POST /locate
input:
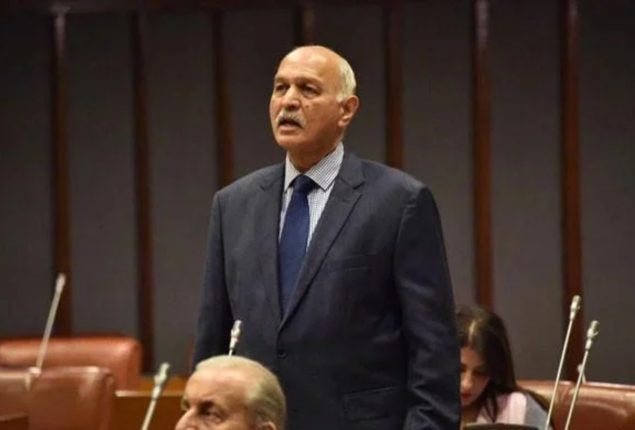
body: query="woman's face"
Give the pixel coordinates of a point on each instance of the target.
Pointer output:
(474, 376)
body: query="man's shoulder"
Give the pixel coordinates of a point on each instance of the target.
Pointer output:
(375, 172)
(257, 178)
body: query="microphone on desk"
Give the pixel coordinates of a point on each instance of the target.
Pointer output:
(159, 382)
(234, 336)
(591, 334)
(573, 310)
(59, 287)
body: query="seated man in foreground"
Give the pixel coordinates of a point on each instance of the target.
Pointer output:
(233, 393)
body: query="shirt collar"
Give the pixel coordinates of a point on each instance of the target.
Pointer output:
(323, 173)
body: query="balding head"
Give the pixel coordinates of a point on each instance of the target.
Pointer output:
(240, 392)
(347, 84)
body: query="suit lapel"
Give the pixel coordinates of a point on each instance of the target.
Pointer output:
(341, 201)
(269, 201)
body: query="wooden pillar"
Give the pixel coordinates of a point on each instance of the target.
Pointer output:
(61, 180)
(482, 154)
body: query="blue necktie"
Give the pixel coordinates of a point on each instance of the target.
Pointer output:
(293, 241)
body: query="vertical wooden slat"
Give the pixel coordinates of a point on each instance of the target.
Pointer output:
(482, 153)
(572, 247)
(393, 27)
(305, 33)
(224, 137)
(61, 180)
(145, 281)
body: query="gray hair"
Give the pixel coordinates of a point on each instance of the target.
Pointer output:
(348, 84)
(264, 399)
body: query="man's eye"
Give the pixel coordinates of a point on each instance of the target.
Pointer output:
(211, 414)
(213, 417)
(279, 88)
(310, 90)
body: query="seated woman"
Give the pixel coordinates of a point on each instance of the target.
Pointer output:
(489, 392)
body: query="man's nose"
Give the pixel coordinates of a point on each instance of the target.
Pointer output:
(291, 99)
(187, 422)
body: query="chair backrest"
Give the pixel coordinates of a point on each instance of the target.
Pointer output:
(14, 422)
(78, 398)
(598, 406)
(120, 354)
(60, 398)
(14, 389)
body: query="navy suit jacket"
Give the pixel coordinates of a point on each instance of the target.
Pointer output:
(368, 341)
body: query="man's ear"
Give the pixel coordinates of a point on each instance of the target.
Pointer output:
(267, 426)
(349, 107)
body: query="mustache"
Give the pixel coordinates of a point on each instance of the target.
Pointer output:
(293, 117)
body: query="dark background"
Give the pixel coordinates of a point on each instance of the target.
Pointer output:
(147, 137)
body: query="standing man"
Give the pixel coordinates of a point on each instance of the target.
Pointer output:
(336, 267)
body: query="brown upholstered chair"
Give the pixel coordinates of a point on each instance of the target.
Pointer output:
(14, 422)
(60, 398)
(14, 389)
(77, 398)
(599, 406)
(120, 354)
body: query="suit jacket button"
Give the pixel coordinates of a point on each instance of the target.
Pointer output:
(282, 353)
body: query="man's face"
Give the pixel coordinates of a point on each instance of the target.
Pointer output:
(215, 400)
(306, 117)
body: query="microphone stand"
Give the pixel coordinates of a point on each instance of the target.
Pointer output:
(159, 381)
(573, 310)
(591, 333)
(234, 336)
(59, 287)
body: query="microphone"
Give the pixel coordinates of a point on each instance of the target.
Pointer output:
(159, 382)
(234, 336)
(591, 334)
(573, 310)
(59, 287)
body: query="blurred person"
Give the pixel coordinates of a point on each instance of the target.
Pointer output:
(489, 391)
(232, 393)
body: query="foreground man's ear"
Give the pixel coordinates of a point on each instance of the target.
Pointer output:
(267, 426)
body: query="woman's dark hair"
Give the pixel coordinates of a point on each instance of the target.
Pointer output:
(484, 332)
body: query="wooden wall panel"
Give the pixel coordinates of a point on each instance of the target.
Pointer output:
(525, 173)
(104, 219)
(101, 146)
(59, 114)
(607, 182)
(144, 218)
(393, 28)
(482, 156)
(572, 248)
(26, 172)
(186, 171)
(224, 137)
(438, 123)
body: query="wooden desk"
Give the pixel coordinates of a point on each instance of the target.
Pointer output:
(16, 421)
(130, 409)
(174, 383)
